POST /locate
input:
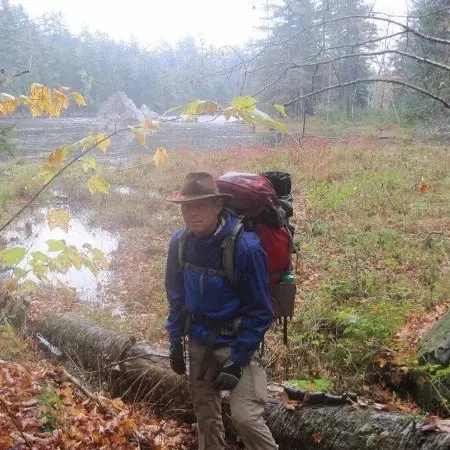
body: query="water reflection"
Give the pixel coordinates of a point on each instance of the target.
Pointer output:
(33, 232)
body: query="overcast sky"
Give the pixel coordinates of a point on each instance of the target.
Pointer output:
(220, 22)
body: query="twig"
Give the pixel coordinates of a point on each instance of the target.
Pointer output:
(371, 80)
(308, 102)
(82, 388)
(386, 193)
(57, 174)
(5, 408)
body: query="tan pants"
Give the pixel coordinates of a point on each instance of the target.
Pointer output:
(247, 402)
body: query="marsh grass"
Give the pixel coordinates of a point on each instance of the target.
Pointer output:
(372, 220)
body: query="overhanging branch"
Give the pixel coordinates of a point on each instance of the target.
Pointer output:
(371, 80)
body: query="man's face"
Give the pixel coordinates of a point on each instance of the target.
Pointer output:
(201, 216)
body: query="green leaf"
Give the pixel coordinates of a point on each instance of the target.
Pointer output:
(280, 108)
(68, 258)
(28, 286)
(58, 218)
(246, 103)
(40, 264)
(19, 272)
(74, 256)
(99, 258)
(12, 256)
(90, 265)
(89, 163)
(56, 245)
(98, 184)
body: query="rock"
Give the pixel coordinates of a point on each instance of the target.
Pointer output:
(148, 113)
(435, 345)
(432, 391)
(119, 110)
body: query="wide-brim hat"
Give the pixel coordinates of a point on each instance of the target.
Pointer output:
(197, 186)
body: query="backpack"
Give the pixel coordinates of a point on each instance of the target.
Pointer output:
(264, 203)
(257, 203)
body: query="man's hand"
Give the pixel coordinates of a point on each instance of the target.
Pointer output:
(228, 376)
(176, 358)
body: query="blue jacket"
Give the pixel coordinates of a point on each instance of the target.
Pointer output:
(190, 290)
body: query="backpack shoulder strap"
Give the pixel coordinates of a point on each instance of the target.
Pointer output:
(181, 248)
(228, 250)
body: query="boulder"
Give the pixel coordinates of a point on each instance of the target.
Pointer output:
(148, 113)
(435, 345)
(433, 388)
(119, 110)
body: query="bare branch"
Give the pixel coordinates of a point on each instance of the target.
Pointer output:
(369, 54)
(351, 55)
(371, 80)
(18, 74)
(57, 174)
(407, 29)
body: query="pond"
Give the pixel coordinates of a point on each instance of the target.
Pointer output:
(36, 137)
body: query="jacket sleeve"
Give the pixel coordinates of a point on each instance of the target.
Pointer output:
(257, 310)
(174, 282)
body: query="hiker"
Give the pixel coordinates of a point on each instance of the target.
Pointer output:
(224, 323)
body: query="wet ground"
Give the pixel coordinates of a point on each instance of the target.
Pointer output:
(32, 232)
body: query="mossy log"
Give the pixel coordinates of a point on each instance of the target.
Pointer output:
(138, 370)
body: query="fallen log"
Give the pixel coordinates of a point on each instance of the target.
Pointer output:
(139, 371)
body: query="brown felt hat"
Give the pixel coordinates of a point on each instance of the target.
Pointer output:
(196, 186)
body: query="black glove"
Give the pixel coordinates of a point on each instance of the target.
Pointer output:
(176, 358)
(228, 376)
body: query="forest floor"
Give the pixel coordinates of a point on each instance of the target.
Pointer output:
(372, 222)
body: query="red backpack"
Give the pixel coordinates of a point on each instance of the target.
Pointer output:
(256, 201)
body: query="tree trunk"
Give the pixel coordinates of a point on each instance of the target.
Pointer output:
(139, 371)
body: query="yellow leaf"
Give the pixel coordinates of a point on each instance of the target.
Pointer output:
(35, 89)
(89, 163)
(209, 107)
(98, 184)
(103, 142)
(191, 108)
(280, 108)
(79, 99)
(87, 142)
(8, 104)
(160, 157)
(148, 126)
(23, 100)
(41, 93)
(257, 117)
(64, 89)
(424, 187)
(60, 99)
(140, 136)
(58, 218)
(35, 109)
(56, 157)
(246, 103)
(200, 107)
(231, 111)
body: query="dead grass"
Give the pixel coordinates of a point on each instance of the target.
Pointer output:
(378, 203)
(372, 220)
